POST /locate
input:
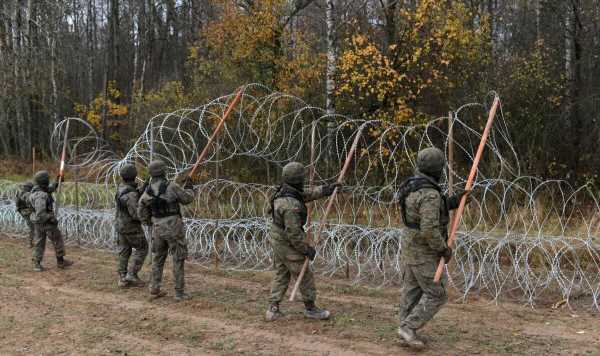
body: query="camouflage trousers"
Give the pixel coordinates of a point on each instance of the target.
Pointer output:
(127, 244)
(288, 262)
(420, 298)
(166, 241)
(50, 231)
(30, 227)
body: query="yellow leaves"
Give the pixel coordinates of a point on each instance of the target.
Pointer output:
(439, 49)
(109, 105)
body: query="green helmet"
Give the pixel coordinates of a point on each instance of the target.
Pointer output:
(431, 161)
(157, 168)
(128, 172)
(27, 186)
(293, 173)
(42, 178)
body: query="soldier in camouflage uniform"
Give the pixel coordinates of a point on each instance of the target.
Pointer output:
(44, 222)
(425, 211)
(129, 228)
(287, 238)
(24, 209)
(159, 206)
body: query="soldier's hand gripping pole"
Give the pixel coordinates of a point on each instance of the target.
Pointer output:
(204, 152)
(468, 186)
(327, 210)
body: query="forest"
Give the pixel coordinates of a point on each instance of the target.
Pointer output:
(116, 63)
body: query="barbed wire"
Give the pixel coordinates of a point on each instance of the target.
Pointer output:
(521, 235)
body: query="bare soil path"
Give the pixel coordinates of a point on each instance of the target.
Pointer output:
(81, 311)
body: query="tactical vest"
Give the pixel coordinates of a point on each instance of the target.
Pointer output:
(414, 184)
(21, 203)
(286, 192)
(122, 208)
(160, 207)
(50, 203)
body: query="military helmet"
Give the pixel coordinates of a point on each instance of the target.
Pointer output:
(293, 173)
(128, 172)
(157, 168)
(431, 161)
(27, 186)
(42, 178)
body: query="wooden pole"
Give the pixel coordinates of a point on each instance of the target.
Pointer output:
(327, 210)
(215, 133)
(33, 161)
(469, 185)
(63, 156)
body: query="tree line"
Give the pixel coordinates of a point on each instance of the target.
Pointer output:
(118, 62)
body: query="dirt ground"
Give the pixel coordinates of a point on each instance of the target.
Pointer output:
(81, 311)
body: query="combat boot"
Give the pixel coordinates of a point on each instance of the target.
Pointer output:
(182, 296)
(273, 312)
(134, 280)
(312, 312)
(410, 337)
(37, 266)
(123, 282)
(62, 263)
(156, 293)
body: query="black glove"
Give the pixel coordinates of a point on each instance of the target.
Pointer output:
(310, 253)
(447, 254)
(53, 221)
(330, 188)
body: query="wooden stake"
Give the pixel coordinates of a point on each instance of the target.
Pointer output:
(215, 133)
(469, 185)
(33, 161)
(327, 210)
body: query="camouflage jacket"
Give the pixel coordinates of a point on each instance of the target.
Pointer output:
(126, 200)
(430, 209)
(173, 196)
(292, 213)
(42, 204)
(22, 203)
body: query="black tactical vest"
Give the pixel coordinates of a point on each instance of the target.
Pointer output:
(285, 191)
(160, 207)
(414, 184)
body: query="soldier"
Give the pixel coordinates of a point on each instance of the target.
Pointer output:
(287, 236)
(129, 228)
(425, 212)
(160, 207)
(44, 222)
(24, 209)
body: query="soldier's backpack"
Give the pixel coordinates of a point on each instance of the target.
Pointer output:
(120, 193)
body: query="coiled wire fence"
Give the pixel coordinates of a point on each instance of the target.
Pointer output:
(521, 237)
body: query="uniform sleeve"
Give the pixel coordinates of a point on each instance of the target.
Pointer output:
(131, 202)
(429, 210)
(294, 230)
(184, 196)
(143, 210)
(314, 193)
(39, 206)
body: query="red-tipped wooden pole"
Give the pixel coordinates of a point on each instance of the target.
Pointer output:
(468, 186)
(327, 210)
(215, 133)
